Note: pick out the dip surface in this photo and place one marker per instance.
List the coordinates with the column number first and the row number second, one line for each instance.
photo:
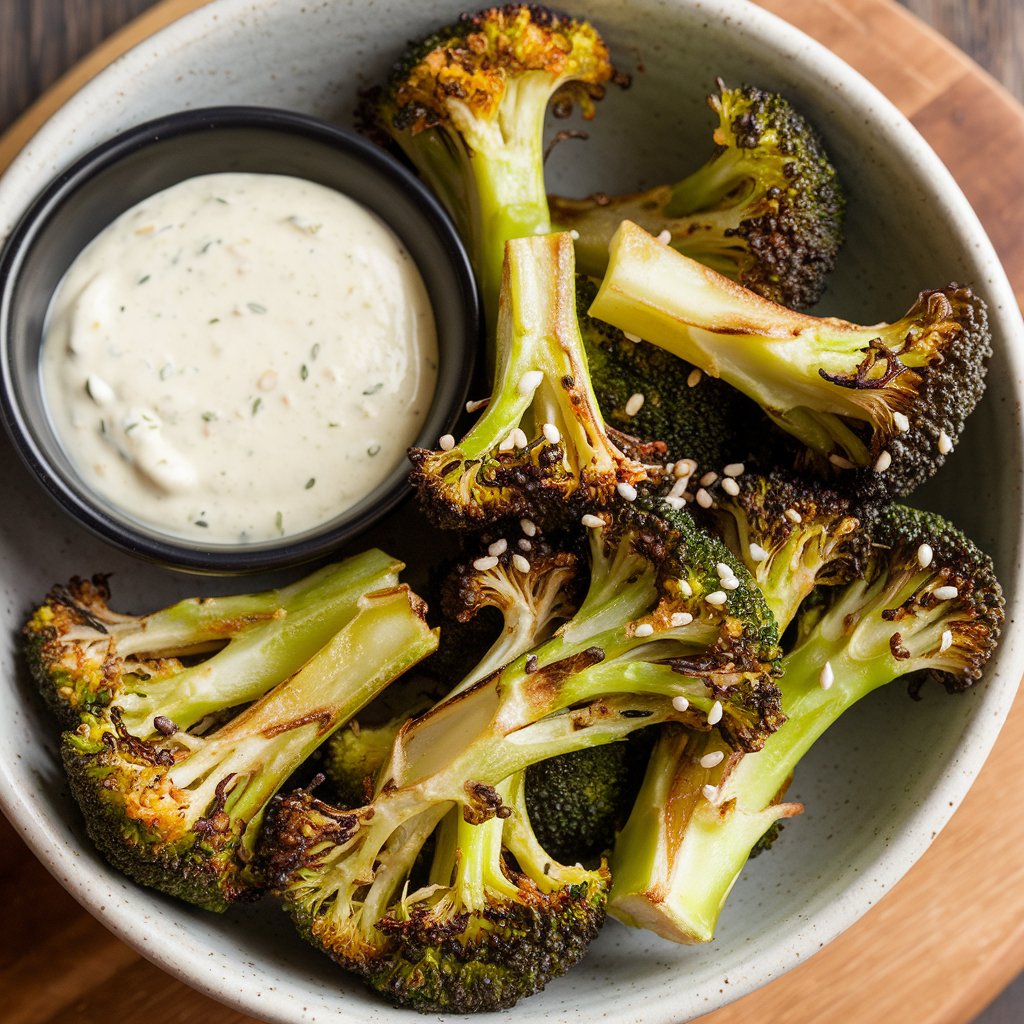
column 239, row 357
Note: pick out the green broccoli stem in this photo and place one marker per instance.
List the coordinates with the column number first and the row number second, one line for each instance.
column 262, row 746
column 771, row 354
column 714, row 186
column 679, row 854
column 300, row 620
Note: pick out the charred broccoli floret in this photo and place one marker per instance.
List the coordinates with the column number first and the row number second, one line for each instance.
column 766, row 210
column 696, row 416
column 655, row 639
column 180, row 812
column 540, row 449
column 926, row 604
column 467, row 107
column 881, row 405
column 196, row 657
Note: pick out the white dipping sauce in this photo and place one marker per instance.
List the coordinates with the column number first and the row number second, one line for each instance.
column 239, row 357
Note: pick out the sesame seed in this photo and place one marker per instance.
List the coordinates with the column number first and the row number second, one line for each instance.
column 627, row 491
column 945, row 443
column 675, row 503
column 757, row 553
column 681, row 619
column 499, row 547
column 551, row 433
column 724, row 571
column 704, row 499
column 508, row 444
column 730, row 486
column 826, row 677
column 530, row 381
column 710, row 793
column 523, row 544
column 793, row 516
column 945, row 593
column 574, row 235
column 684, row 588
column 839, row 462
column 694, row 379
column 477, row 405
column 684, row 467
column 680, row 703
column 644, row 629
column 924, row 555
column 670, row 468
column 717, row 597
column 680, row 485
column 716, row 757
column 519, row 438
column 665, row 236
column 708, row 479
column 883, row 462
column 631, row 337
column 634, row 404
column 947, row 640
column 520, row 563
column 528, row 526
column 447, row 442
column 734, row 469
column 715, row 714
column 730, row 584
column 592, row 522
column 483, row 564
column 900, row 422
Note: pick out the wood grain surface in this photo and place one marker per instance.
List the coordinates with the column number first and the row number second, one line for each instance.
column 951, row 934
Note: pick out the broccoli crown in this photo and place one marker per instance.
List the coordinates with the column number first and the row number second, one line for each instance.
column 877, row 408
column 195, row 658
column 577, row 802
column 933, row 597
column 461, row 73
column 540, row 449
column 180, row 812
column 792, row 534
column 765, row 210
column 467, row 107
column 483, row 932
column 696, row 416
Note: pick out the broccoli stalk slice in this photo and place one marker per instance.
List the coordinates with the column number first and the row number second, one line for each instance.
column 182, row 814
column 467, row 107
column 680, row 853
column 847, row 392
column 765, row 210
column 540, row 449
column 84, row 656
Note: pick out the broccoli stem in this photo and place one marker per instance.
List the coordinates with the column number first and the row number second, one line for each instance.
column 773, row 355
column 294, row 623
column 263, row 745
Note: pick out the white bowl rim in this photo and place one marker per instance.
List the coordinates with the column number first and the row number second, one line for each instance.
column 193, row 966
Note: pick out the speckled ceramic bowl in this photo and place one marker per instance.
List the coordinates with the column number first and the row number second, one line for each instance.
column 877, row 790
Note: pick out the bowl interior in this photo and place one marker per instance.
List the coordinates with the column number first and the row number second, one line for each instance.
column 877, row 788
column 153, row 157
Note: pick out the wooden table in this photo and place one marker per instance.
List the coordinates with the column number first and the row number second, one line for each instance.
column 951, row 934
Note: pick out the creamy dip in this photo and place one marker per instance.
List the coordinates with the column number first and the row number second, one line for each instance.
column 239, row 357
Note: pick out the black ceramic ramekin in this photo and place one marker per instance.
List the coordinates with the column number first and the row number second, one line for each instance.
column 142, row 161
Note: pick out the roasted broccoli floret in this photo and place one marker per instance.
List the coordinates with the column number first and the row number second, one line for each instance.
column 180, row 812
column 195, row 658
column 766, row 210
column 926, row 604
column 881, row 406
column 696, row 416
column 467, row 107
column 540, row 449
column 655, row 639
